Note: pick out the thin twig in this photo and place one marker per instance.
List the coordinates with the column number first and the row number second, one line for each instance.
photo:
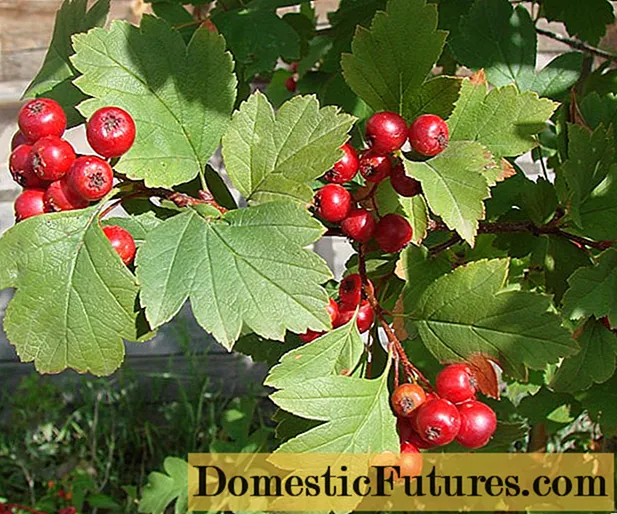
column 578, row 45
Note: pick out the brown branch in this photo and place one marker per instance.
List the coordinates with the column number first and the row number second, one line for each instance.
column 578, row 45
column 393, row 342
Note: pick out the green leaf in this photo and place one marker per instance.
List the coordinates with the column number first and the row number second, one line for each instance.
column 181, row 104
column 455, row 186
column 595, row 362
column 597, row 110
column 257, row 38
column 390, row 62
column 499, row 39
column 139, row 225
column 593, row 290
column 414, row 209
column 356, row 412
column 164, row 488
column 587, row 20
column 558, row 76
column 249, row 268
column 468, row 312
column 601, row 402
column 75, row 299
column 436, row 96
column 504, row 120
column 272, row 157
column 420, row 270
column 337, row 352
column 54, row 80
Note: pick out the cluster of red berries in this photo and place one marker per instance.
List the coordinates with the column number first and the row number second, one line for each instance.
column 351, row 297
column 386, row 133
column 54, row 178
column 427, row 420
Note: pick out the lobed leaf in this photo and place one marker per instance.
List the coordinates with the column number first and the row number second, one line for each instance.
column 164, row 488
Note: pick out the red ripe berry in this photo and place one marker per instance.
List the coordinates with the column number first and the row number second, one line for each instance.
column 375, row 168
column 90, row 177
column 332, row 309
column 291, row 84
column 386, row 132
column 438, row 422
column 478, row 424
column 52, row 157
column 393, row 233
column 402, row 184
column 416, row 440
column 41, row 117
column 456, row 383
column 406, row 398
column 60, row 197
column 346, row 168
column 31, row 202
column 111, row 132
column 429, row 135
column 18, row 140
column 360, row 225
column 404, row 429
column 20, row 165
column 310, row 335
column 121, row 241
column 410, row 460
column 365, row 319
column 333, row 203
column 350, row 291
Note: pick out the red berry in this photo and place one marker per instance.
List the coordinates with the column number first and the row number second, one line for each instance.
column 52, row 157
column 31, row 202
column 310, row 335
column 111, row 132
column 393, row 233
column 333, row 203
column 402, row 184
column 404, row 429
column 386, row 132
column 416, row 440
column 60, row 197
column 332, row 309
column 350, row 291
column 605, row 321
column 406, row 398
column 410, row 460
column 20, row 166
column 291, row 84
column 456, row 383
column 438, row 422
column 429, row 135
column 41, row 117
column 478, row 424
column 18, row 140
column 364, row 320
column 90, row 177
column 375, row 168
column 121, row 241
column 360, row 225
column 346, row 168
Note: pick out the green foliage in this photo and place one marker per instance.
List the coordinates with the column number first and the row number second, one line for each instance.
column 163, row 488
column 181, row 105
column 586, row 20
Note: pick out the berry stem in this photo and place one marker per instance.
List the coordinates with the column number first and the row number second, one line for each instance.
column 393, row 343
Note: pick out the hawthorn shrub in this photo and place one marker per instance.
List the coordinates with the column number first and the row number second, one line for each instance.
column 487, row 299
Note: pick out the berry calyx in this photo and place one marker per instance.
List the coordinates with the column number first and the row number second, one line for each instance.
column 375, row 168
column 478, row 424
column 456, row 383
column 360, row 225
column 122, row 242
column 111, row 132
column 406, row 398
column 31, row 202
column 41, row 117
column 346, row 168
column 393, row 233
column 52, row 157
column 60, row 197
column 429, row 135
column 417, row 441
column 333, row 203
column 291, row 84
column 438, row 422
column 90, row 177
column 386, row 132
column 410, row 460
column 402, row 184
column 18, row 139
column 20, row 166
